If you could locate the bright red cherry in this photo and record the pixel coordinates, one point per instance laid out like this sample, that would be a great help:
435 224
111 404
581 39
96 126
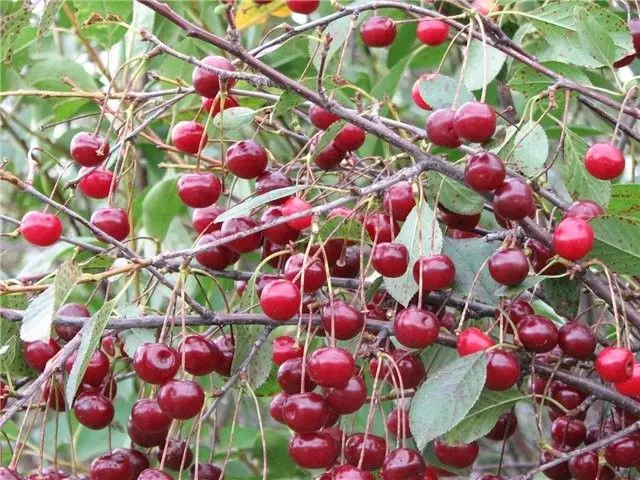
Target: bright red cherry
624 452
38 353
156 363
614 364
313 450
416 328
280 234
577 340
432 32
568 431
508 266
584 209
378 32
280 300
95 183
112 221
295 205
290 377
181 399
475 122
272 180
147 417
311 278
93 410
399 201
573 238
459 455
604 161
97 368
212 105
284 348
233 226
139 460
440 129
199 190
417 96
513 199
380 227
87 149
206 471
247 159
397 423
411 369
177 455
275 406
348 472
154 474
587 467
41 229
207 83
330 157
537 333
77 310
321 118
485 171
305 412
503 370
342 319
403 464
203 220
303 6
374 448
350 138
435 272
390 259
331 367
348 399
504 427
200 355
189 137
458 221
111 466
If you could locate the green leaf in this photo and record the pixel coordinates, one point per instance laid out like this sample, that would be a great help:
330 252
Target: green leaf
338 227
439 91
446 398
10 28
530 149
526 284
234 118
563 295
625 201
12 360
484 415
617 244
454 196
530 82
437 357
175 68
430 457
100 20
49 13
159 207
422 236
287 100
474 74
260 367
338 31
48 74
596 39
388 84
134 337
255 202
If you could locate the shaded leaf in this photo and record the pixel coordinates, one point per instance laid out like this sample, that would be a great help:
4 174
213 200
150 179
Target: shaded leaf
440 90
338 227
526 284
257 201
134 337
12 359
327 137
563 295
454 196
234 118
159 207
10 28
474 74
617 244
530 149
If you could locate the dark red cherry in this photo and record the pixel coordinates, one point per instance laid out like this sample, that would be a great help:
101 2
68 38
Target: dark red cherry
558 472
38 353
397 423
233 226
348 266
181 399
89 150
330 157
95 183
147 417
515 310
280 234
93 410
624 452
280 300
541 257
504 427
398 201
584 209
305 412
378 32
460 455
111 466
226 348
205 471
156 363
568 431
177 455
568 397
587 467
200 355
41 229
537 333
139 460
440 129
349 472
604 161
472 340
285 348
350 138
4 395
417 96
416 328
342 320
513 200
189 137
331 367
76 310
484 172
313 450
97 368
435 272
146 440
573 238
503 370
199 190
272 180
374 448
403 464
53 393
203 220
348 399
275 406
458 221
475 122
112 221
432 32
508 266
246 159
154 474
290 377
311 278
321 118
614 364
380 227
411 369
208 83
577 340
216 258
213 105
390 259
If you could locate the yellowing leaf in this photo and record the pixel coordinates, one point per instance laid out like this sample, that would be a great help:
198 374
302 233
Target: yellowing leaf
250 13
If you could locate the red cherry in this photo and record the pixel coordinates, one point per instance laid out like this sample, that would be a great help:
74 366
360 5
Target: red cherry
440 129
399 201
95 183
146 440
97 368
374 448
275 406
216 258
417 96
313 275
508 266
85 149
380 227
305 412
342 319
313 450
472 340
390 259
513 199
200 355
114 465
6 474
280 234
624 452
349 472
584 209
203 220
397 423
541 257
77 310
349 265
189 137
604 161
348 399
460 455
435 272
226 348
199 190
205 471
181 399
576 340
460 234
303 6
416 328
93 410
41 229
321 118
233 226
332 420
38 353
4 395
615 364
272 180
350 138
503 370
504 427
411 369
112 221
331 367
568 397
290 377
475 122
432 32
330 157
484 172
139 460
515 310
587 467
573 238
280 300
403 464
177 455
154 474
623 62
568 431
458 221
156 363
558 472
378 32
207 83
295 205
284 348
212 105
537 333
147 417
246 159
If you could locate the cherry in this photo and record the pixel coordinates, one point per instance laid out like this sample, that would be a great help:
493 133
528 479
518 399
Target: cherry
513 199
303 6
275 406
305 412
285 348
216 258
541 257
93 410
417 96
295 205
537 333
156 363
568 397
177 455
95 183
397 423
348 472
508 266
458 221
604 161
380 227
435 272
147 417
472 340
154 474
584 209
403 464
311 278
280 300
233 226
631 386
348 399
349 265
110 466
634 28
432 32
200 355
557 472
76 310
38 353
475 122
87 149
378 32
460 455
290 377
313 450
390 259
614 364
207 83
342 320
280 234
144 439
41 229
332 419
573 238
321 118
577 340
7 474
484 172
330 157
411 369
138 460
272 180
515 310
97 368
398 201
4 395
213 105
568 431
416 328
624 452
350 138
188 137
503 370
440 129
505 427
374 448
246 159
587 467
226 348
331 367
181 399
205 471
112 221
199 190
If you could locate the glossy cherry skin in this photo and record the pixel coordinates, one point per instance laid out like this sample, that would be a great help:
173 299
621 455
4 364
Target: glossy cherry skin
246 159
435 272
541 257
38 353
199 190
411 369
111 466
624 452
458 221
573 238
374 450
41 229
303 6
188 137
290 377
584 209
236 225
275 406
85 149
461 455
295 205
350 138
272 180
331 367
97 368
226 348
508 266
417 96
416 328
112 221
203 220
201 356
314 272
206 471
96 183
484 172
403 464
472 340
577 340
156 363
398 201
568 431
604 161
380 227
147 417
154 474
321 118
342 320
432 32
280 300
504 427
615 364
178 455
378 32
280 234
397 423
139 460
212 105
348 399
587 467
216 258
285 348
347 472
305 412
330 157
181 399
313 450
146 440
390 259
440 129
77 310
93 410
475 122
513 199
503 370
568 397
537 333
558 472
207 83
